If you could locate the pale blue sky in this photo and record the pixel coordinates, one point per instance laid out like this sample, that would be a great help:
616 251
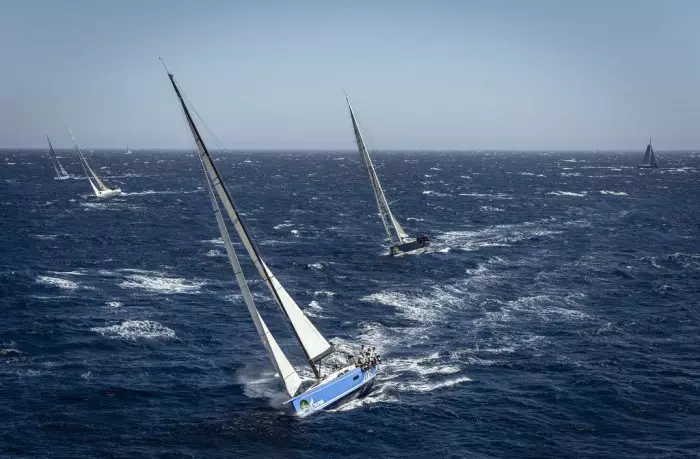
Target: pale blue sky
535 74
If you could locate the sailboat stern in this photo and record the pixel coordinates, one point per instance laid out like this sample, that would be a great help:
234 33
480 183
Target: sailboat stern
419 243
334 390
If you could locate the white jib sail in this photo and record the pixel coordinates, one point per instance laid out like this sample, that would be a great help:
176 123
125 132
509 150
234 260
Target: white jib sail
292 381
314 344
391 225
86 166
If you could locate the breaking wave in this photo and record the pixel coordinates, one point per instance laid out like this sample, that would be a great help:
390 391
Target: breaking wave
132 330
64 284
614 193
568 193
161 284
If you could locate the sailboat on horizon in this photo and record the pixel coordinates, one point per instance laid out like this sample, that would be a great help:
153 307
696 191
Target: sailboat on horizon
649 161
400 242
326 391
128 150
61 173
101 190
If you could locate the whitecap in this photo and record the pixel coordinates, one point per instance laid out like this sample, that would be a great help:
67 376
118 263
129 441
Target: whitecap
132 330
614 193
64 284
46 237
161 284
314 309
435 193
568 193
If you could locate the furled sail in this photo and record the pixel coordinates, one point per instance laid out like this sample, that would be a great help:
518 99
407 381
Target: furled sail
315 346
292 381
391 225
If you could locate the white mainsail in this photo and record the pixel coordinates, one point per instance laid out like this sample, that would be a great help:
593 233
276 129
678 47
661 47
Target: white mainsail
315 346
58 167
292 381
650 157
391 225
86 167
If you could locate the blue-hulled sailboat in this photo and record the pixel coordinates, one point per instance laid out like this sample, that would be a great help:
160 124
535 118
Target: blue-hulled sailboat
329 390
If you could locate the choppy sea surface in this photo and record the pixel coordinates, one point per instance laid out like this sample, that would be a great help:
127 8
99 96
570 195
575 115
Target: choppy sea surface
556 313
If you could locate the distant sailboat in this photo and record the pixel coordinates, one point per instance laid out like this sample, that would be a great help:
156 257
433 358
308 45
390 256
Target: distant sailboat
649 161
61 173
400 241
101 190
128 150
329 390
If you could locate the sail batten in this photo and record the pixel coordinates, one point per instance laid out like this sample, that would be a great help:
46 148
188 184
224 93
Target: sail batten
314 345
392 227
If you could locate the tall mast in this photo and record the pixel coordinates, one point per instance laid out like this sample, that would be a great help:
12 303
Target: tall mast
228 202
54 160
388 219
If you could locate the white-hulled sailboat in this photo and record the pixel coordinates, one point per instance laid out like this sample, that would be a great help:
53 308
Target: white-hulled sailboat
101 190
649 161
327 390
61 173
400 242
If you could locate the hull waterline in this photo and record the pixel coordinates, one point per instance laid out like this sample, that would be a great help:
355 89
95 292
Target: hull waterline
109 193
334 390
408 247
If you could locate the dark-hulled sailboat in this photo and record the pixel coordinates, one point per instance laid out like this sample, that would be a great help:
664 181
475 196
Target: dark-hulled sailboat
340 385
400 242
649 161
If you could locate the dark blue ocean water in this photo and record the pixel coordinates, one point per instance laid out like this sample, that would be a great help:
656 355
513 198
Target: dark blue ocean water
555 315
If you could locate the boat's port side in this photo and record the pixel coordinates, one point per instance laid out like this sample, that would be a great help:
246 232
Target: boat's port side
345 387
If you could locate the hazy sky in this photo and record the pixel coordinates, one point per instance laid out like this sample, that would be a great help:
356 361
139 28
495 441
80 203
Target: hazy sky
520 74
